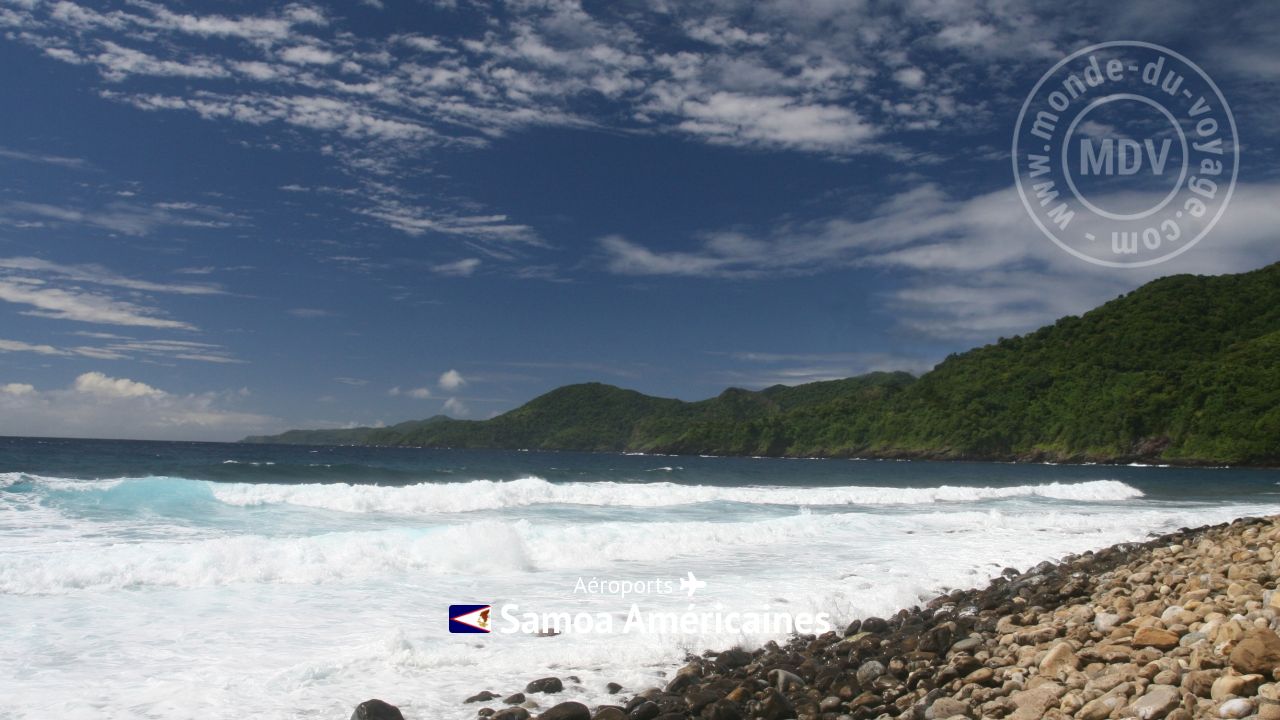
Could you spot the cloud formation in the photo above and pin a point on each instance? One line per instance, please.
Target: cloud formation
(95, 404)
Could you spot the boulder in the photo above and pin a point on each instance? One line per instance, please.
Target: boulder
(1234, 685)
(723, 710)
(1237, 708)
(511, 713)
(377, 710)
(545, 685)
(609, 712)
(514, 699)
(1258, 651)
(776, 706)
(1060, 660)
(946, 707)
(647, 710)
(1159, 701)
(1156, 638)
(869, 671)
(566, 711)
(482, 696)
(730, 659)
(1032, 704)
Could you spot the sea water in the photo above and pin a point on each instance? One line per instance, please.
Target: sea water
(176, 580)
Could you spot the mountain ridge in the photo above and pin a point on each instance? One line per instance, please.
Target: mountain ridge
(1183, 370)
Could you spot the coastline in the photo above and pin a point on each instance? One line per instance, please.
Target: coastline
(1180, 626)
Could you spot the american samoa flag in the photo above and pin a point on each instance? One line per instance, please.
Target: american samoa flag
(469, 618)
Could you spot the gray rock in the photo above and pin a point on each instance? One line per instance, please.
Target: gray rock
(1159, 701)
(1237, 708)
(869, 671)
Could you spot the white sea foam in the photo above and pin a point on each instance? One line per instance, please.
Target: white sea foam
(475, 495)
(492, 547)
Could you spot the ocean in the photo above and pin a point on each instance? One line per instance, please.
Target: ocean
(184, 580)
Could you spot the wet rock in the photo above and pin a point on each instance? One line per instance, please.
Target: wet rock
(377, 710)
(566, 711)
(514, 699)
(646, 710)
(776, 706)
(511, 713)
(609, 712)
(732, 658)
(482, 696)
(723, 710)
(945, 707)
(545, 685)
(613, 688)
(869, 671)
(484, 712)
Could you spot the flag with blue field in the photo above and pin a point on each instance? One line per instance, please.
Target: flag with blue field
(469, 618)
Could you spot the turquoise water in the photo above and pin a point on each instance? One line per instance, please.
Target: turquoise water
(193, 579)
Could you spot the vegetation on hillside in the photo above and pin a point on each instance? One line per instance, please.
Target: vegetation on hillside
(1185, 369)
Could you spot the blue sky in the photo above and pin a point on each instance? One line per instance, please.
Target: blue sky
(228, 218)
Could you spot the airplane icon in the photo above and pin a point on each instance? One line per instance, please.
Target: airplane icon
(692, 584)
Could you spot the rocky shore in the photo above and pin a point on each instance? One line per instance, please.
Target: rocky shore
(1182, 626)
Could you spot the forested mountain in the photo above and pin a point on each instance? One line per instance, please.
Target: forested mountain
(1185, 369)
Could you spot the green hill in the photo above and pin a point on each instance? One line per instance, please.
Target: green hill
(1185, 369)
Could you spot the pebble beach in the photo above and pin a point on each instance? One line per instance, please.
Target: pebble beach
(1181, 626)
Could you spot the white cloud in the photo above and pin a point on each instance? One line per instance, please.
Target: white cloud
(19, 346)
(95, 403)
(309, 313)
(460, 268)
(308, 55)
(451, 380)
(418, 393)
(972, 268)
(95, 383)
(455, 407)
(912, 77)
(69, 162)
(56, 291)
(119, 217)
(82, 306)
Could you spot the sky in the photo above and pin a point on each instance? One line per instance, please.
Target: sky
(219, 219)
